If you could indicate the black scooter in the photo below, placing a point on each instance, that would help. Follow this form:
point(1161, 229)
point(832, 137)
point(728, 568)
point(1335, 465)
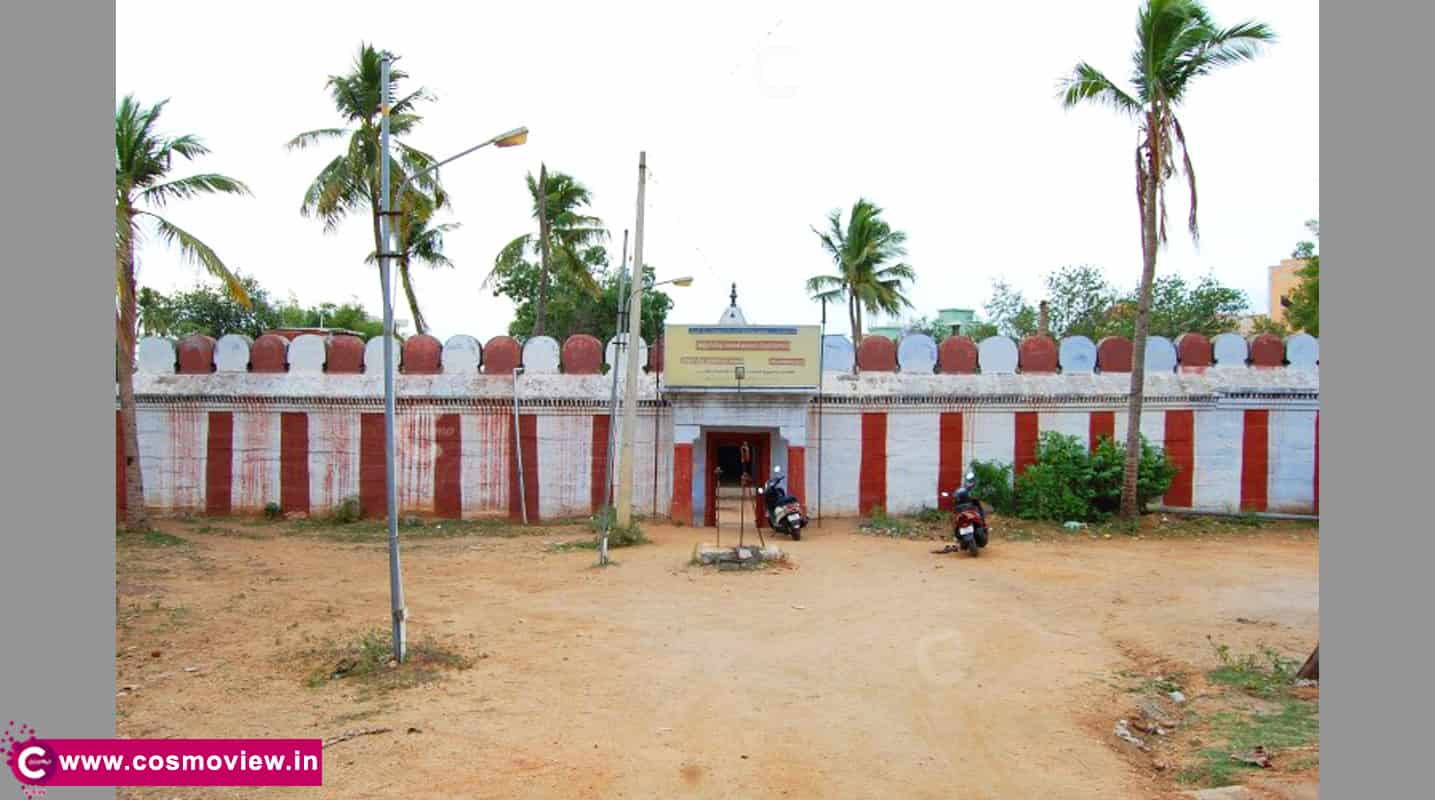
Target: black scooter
point(969, 524)
point(784, 512)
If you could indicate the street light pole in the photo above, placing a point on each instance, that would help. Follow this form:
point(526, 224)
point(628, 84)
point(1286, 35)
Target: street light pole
point(396, 587)
point(386, 253)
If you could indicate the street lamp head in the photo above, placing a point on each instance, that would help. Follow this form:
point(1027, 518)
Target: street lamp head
point(513, 138)
point(684, 281)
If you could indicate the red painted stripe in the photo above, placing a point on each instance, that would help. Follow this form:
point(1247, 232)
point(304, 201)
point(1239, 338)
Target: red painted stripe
point(949, 464)
point(373, 494)
point(528, 440)
point(1255, 455)
point(448, 466)
point(1317, 462)
point(682, 506)
point(797, 473)
point(120, 503)
point(600, 463)
point(1103, 423)
point(219, 463)
point(1027, 431)
point(294, 461)
point(872, 475)
point(1180, 447)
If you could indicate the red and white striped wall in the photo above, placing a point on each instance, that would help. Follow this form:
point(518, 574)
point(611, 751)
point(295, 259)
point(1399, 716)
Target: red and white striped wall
point(460, 459)
point(899, 459)
point(451, 461)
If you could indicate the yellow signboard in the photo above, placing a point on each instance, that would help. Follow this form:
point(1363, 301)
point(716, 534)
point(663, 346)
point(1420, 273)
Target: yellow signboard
point(705, 356)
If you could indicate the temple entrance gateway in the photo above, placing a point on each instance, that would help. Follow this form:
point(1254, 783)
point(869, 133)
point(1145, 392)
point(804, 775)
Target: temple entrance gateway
point(724, 452)
point(737, 388)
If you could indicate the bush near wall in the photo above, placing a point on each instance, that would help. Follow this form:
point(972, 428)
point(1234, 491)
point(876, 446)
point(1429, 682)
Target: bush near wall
point(1068, 482)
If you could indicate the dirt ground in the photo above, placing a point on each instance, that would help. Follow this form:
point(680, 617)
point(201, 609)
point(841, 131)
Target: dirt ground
point(870, 668)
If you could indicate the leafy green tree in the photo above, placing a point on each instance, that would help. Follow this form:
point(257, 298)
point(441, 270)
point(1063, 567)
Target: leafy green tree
point(563, 244)
point(1264, 324)
point(1303, 313)
point(206, 309)
point(214, 312)
point(143, 160)
point(1081, 302)
point(1009, 312)
point(1079, 299)
point(352, 181)
point(1207, 307)
point(572, 309)
point(1177, 42)
point(865, 276)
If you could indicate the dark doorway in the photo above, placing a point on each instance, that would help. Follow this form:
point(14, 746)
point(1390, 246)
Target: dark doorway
point(724, 451)
point(729, 460)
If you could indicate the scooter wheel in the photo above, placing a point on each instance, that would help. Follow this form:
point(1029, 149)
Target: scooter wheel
point(796, 534)
point(973, 550)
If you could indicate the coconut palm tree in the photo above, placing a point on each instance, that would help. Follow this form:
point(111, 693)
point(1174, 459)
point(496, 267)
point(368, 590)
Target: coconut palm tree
point(421, 241)
point(351, 180)
point(143, 185)
point(569, 233)
point(865, 277)
point(1176, 43)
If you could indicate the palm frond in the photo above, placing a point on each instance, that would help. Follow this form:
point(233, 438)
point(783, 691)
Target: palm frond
point(200, 253)
point(186, 188)
point(1088, 84)
point(1190, 177)
point(314, 137)
point(509, 257)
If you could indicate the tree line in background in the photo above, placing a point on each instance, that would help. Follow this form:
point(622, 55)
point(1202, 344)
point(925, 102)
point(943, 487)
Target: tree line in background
point(1082, 301)
point(213, 311)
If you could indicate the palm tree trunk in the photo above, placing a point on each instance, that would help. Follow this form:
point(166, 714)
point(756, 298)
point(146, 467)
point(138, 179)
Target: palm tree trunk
point(420, 326)
point(540, 316)
point(1130, 507)
point(854, 315)
point(136, 516)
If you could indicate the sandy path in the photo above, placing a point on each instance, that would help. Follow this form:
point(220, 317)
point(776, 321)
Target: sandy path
point(902, 674)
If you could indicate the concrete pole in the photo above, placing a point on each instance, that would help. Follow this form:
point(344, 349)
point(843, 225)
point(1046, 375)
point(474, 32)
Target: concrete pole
point(624, 510)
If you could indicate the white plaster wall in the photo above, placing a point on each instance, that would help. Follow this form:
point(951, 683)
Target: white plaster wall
point(1066, 423)
point(989, 436)
point(913, 458)
point(565, 465)
point(483, 467)
point(172, 444)
point(840, 454)
point(1153, 425)
point(255, 460)
point(414, 455)
point(333, 457)
point(1291, 476)
point(1218, 459)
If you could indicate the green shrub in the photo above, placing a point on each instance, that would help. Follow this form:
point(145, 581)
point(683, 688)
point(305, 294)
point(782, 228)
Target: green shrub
point(273, 511)
point(1058, 486)
point(993, 486)
point(618, 535)
point(348, 511)
point(1067, 483)
point(1108, 467)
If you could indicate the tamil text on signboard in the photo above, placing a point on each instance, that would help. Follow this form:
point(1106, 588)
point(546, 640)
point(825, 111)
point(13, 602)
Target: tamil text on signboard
point(770, 357)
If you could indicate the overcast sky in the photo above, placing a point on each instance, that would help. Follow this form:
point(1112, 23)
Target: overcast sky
point(757, 118)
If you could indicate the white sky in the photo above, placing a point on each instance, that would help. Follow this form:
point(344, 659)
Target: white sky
point(758, 118)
